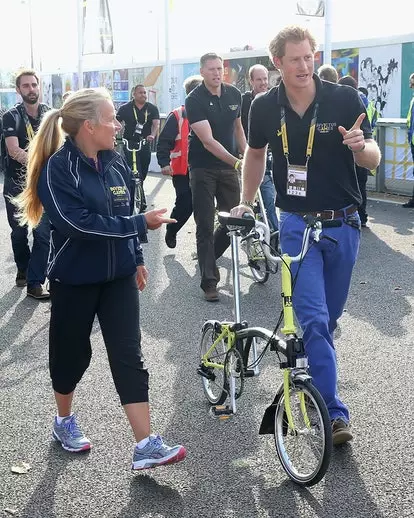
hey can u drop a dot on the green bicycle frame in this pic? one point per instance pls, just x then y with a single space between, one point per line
289 328
231 338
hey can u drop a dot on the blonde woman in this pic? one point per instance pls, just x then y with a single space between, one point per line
96 265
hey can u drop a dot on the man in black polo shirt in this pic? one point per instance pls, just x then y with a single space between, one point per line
216 139
20 124
325 134
142 121
259 81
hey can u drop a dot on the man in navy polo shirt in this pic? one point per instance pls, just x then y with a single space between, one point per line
216 139
326 132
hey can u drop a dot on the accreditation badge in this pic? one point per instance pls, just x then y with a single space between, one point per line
296 180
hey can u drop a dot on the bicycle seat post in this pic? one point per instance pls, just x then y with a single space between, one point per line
234 238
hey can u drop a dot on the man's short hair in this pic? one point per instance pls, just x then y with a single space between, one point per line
206 57
363 90
25 72
349 81
292 33
137 86
253 68
192 82
328 73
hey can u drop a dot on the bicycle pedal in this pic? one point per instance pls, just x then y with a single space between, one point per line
206 372
221 412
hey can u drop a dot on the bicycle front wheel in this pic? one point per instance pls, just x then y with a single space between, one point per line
305 448
257 260
213 357
139 196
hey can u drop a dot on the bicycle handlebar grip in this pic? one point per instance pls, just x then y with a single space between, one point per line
331 223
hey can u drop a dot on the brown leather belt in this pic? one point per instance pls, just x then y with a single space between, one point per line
331 214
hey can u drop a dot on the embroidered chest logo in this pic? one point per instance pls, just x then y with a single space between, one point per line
325 127
233 107
119 190
279 133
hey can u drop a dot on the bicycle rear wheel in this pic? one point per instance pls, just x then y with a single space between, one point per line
213 377
257 260
305 450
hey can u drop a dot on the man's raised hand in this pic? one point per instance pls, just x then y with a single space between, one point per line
354 137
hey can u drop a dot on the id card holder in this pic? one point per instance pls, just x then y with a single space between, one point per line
138 128
297 176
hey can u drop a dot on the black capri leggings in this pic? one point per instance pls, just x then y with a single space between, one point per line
73 310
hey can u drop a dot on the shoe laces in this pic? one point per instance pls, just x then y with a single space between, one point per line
73 428
157 441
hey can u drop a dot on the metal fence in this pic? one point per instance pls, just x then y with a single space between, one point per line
395 172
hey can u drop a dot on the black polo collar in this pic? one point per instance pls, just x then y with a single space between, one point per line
283 99
207 91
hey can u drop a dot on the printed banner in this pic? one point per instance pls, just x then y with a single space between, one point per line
346 62
97 28
380 74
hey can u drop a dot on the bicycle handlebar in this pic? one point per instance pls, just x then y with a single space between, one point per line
313 225
141 143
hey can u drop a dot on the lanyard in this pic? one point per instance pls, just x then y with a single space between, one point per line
311 136
136 116
29 128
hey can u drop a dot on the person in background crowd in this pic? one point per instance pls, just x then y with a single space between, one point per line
328 73
142 123
410 135
96 266
20 124
325 132
172 156
259 81
362 172
216 139
66 95
372 112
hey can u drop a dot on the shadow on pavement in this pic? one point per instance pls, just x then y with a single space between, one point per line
42 501
148 497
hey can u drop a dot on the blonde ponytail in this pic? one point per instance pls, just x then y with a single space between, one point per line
82 105
47 141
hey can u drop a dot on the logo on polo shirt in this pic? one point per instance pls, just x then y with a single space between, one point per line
279 133
233 107
325 127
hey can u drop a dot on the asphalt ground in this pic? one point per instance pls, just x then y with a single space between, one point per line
230 470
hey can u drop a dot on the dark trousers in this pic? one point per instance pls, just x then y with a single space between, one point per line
208 185
362 176
32 262
183 207
73 310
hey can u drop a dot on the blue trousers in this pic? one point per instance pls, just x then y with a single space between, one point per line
319 297
34 261
267 188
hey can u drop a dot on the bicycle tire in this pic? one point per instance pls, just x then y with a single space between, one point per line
138 196
215 391
319 422
258 263
233 367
